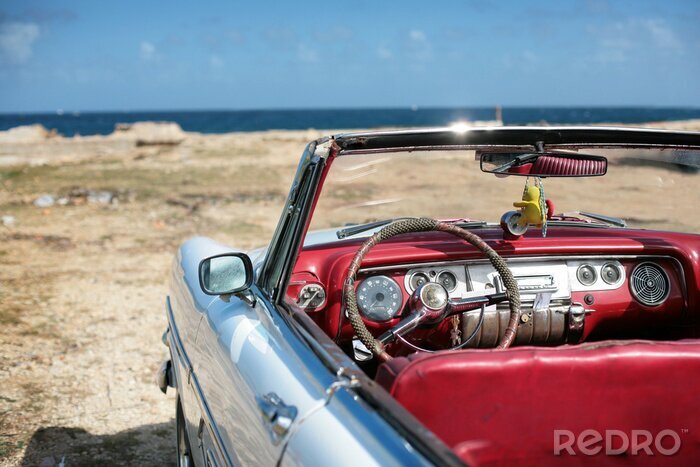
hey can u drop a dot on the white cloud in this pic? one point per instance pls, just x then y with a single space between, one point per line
384 52
529 56
148 51
617 41
216 62
662 35
307 54
16 41
417 35
522 61
418 46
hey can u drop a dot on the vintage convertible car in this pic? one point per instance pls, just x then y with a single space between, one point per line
386 323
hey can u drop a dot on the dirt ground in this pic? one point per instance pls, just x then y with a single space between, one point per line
82 285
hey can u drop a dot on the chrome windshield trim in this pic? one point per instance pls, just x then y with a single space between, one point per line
554 136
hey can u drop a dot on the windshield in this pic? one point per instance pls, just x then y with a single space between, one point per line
648 188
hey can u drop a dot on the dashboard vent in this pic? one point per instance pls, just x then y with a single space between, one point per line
649 284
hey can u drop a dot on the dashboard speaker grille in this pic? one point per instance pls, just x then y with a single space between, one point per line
649 284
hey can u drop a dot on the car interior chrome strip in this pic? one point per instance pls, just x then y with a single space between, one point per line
512 259
446 147
204 407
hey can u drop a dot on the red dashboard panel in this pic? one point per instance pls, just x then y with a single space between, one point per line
616 311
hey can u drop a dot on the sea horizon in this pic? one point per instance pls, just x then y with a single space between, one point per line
71 123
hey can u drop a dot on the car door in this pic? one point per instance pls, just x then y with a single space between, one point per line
256 377
184 308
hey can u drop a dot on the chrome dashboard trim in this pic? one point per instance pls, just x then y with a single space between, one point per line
513 259
524 259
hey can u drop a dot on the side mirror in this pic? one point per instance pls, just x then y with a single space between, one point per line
225 274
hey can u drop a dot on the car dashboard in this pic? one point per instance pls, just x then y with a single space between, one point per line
575 285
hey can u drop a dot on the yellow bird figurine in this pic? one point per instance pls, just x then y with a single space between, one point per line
530 207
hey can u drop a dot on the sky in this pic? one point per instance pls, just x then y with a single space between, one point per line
176 55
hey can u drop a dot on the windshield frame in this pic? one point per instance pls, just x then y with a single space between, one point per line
436 139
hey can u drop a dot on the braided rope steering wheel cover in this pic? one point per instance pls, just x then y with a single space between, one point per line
426 225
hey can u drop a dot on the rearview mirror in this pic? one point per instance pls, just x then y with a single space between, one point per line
545 164
225 274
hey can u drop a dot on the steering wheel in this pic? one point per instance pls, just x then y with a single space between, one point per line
430 303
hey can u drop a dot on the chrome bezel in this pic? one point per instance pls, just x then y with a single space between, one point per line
409 286
392 315
437 279
620 271
595 274
663 273
323 303
424 302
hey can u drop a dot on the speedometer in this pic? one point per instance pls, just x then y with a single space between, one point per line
379 298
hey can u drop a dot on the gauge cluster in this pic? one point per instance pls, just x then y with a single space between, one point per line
595 274
381 295
452 277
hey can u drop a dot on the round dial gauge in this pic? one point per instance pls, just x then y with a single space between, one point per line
418 279
586 274
379 298
447 280
610 273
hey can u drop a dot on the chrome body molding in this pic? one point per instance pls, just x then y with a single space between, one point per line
191 378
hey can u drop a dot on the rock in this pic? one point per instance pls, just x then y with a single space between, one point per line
44 201
8 220
100 197
26 134
150 133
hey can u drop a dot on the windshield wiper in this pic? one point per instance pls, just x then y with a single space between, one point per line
616 221
601 218
357 229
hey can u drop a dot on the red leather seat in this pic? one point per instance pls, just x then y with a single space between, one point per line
510 406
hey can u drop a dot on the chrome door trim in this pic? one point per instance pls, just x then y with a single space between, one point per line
174 337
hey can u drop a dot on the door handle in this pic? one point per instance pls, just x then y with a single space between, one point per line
276 414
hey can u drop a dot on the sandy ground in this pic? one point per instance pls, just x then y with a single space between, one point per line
82 285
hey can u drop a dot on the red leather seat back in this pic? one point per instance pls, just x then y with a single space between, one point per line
495 406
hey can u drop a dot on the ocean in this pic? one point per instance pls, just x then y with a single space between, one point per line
223 121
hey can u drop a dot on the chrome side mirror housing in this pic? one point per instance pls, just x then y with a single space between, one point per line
226 274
